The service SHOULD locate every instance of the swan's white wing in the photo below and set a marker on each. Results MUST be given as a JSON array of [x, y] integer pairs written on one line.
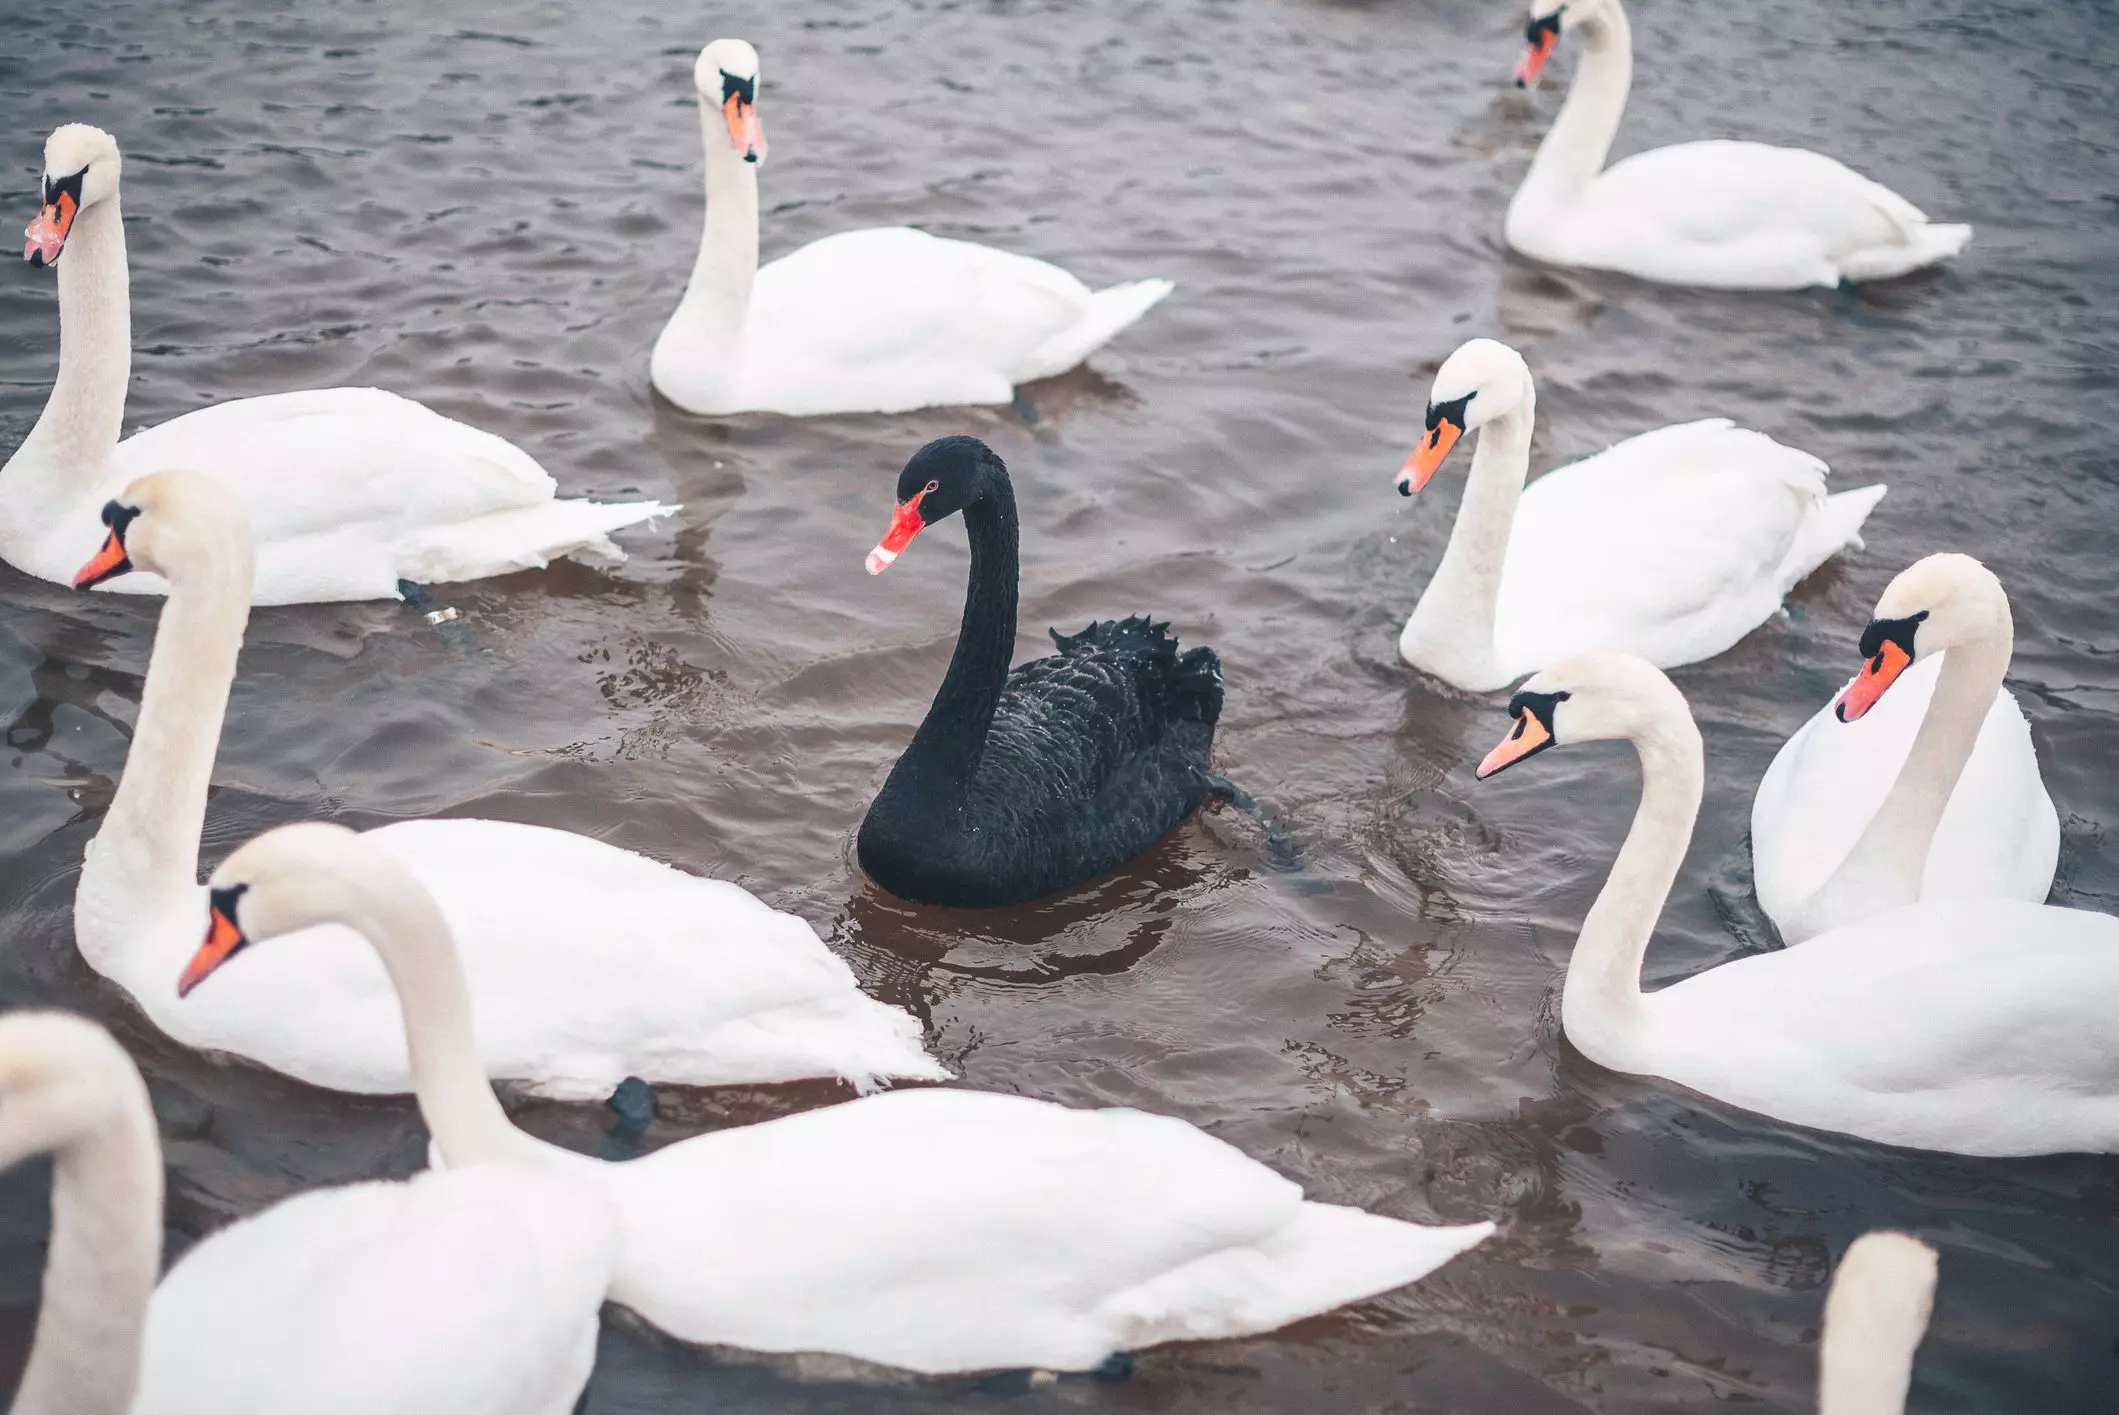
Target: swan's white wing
[[471, 1292], [1999, 835], [956, 1230], [1976, 1026], [893, 318], [1668, 545], [587, 964]]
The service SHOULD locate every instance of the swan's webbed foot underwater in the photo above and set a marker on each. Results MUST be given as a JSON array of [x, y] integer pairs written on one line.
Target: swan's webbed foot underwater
[[1118, 1366], [633, 1102], [1284, 848], [448, 620]]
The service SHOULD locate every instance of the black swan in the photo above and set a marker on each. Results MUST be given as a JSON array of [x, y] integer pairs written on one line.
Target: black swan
[[1022, 783]]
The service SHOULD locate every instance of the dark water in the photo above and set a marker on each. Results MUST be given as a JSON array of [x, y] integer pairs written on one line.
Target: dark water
[[492, 208]]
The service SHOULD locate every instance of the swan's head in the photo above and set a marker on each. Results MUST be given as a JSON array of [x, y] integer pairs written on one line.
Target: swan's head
[[1936, 602], [80, 169], [942, 478], [286, 880], [1875, 1315], [1480, 382], [179, 525], [1549, 19], [62, 1079], [1592, 697], [727, 79]]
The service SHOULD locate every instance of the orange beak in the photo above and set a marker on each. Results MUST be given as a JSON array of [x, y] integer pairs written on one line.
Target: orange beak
[[1527, 736], [223, 938], [905, 523], [107, 564], [1876, 675], [744, 129], [1542, 37], [1428, 456], [46, 236]]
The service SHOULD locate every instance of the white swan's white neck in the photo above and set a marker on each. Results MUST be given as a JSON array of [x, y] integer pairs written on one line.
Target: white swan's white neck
[[141, 873], [69, 449], [706, 332], [1885, 868], [1574, 152], [1451, 630], [1875, 1316], [106, 1251], [1602, 1009]]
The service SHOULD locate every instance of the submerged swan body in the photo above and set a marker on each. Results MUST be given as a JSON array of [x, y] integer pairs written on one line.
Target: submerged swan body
[[1930, 791], [1672, 545], [1021, 783], [589, 963], [1729, 215], [935, 1230], [347, 490], [873, 321], [1981, 1027], [472, 1292], [1875, 1315]]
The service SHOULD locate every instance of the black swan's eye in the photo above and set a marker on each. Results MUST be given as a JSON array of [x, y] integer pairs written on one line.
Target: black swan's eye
[[934, 486]]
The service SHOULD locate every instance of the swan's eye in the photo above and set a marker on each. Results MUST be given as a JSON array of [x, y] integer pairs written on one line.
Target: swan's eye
[[932, 486]]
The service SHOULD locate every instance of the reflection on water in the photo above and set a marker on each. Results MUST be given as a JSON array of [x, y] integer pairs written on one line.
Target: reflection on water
[[494, 212]]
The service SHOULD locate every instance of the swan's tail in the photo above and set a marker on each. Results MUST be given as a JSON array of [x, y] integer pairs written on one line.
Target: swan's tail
[[1194, 691], [1834, 526], [1109, 311], [1925, 244], [522, 538]]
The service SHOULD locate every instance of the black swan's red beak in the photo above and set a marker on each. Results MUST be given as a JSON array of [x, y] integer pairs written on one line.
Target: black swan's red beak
[[905, 523]]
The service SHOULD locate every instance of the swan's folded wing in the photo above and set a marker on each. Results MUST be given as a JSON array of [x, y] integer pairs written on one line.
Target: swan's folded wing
[[1067, 725], [1720, 192], [326, 459]]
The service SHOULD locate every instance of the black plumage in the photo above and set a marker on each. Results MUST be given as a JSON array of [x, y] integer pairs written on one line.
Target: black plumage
[[1022, 783]]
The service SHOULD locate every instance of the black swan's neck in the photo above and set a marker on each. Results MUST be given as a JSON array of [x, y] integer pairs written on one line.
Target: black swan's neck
[[945, 751]]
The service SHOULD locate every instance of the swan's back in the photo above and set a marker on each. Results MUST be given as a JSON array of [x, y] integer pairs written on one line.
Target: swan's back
[[467, 1292]]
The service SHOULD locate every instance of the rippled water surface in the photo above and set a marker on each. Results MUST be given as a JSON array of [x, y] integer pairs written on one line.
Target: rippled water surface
[[493, 207]]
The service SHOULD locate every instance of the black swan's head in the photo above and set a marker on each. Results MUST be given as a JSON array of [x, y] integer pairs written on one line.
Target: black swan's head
[[942, 478]]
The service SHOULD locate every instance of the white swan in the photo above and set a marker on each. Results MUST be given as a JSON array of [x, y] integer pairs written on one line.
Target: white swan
[[1875, 1315], [471, 1292], [936, 1230], [590, 963], [1978, 1026], [876, 321], [1673, 544], [348, 490], [1731, 215], [1931, 791]]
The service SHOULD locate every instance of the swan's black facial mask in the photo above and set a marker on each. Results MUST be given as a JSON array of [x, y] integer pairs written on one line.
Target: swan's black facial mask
[[224, 937], [739, 105], [45, 237], [1887, 650], [112, 560], [1445, 424], [1532, 734], [1543, 36]]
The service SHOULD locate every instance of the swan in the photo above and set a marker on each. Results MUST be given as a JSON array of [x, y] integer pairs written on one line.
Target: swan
[[348, 490], [1673, 544], [590, 963], [1021, 783], [876, 321], [1875, 1315], [470, 1292], [1728, 215], [933, 1230], [1928, 792], [1975, 1026]]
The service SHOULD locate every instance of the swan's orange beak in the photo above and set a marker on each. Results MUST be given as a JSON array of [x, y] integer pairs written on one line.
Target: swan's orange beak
[[744, 129], [1529, 735], [223, 940], [107, 564], [905, 523], [1877, 674], [46, 235], [1542, 35], [1428, 455]]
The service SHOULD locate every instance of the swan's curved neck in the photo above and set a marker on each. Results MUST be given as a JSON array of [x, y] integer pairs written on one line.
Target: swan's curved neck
[[74, 437], [1888, 861], [716, 304], [412, 938], [1453, 625], [1573, 153], [945, 752], [1601, 1007], [143, 863], [106, 1250]]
